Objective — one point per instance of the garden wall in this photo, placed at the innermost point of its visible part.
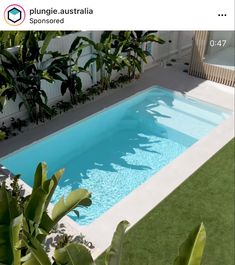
(176, 43)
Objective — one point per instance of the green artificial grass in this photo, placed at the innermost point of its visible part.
(208, 196)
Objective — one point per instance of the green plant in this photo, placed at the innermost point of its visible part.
(6, 131)
(106, 56)
(21, 75)
(3, 87)
(64, 240)
(191, 251)
(18, 124)
(133, 46)
(23, 229)
(63, 106)
(10, 39)
(2, 135)
(16, 192)
(70, 71)
(12, 130)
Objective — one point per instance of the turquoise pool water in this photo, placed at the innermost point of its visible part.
(116, 150)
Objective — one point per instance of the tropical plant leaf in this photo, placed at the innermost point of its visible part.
(91, 42)
(79, 197)
(114, 253)
(10, 225)
(78, 84)
(35, 205)
(10, 57)
(153, 38)
(46, 76)
(53, 184)
(64, 87)
(39, 254)
(40, 175)
(46, 225)
(49, 36)
(89, 62)
(18, 37)
(74, 44)
(105, 37)
(73, 254)
(191, 251)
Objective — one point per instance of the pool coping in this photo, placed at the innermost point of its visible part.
(137, 93)
(132, 207)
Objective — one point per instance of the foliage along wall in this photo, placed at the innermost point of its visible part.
(178, 40)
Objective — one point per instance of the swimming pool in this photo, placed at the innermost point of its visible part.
(116, 150)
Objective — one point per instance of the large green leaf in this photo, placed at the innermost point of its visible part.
(40, 175)
(10, 57)
(10, 225)
(53, 184)
(64, 86)
(18, 37)
(6, 250)
(153, 38)
(35, 205)
(16, 226)
(73, 254)
(191, 251)
(39, 254)
(79, 197)
(49, 36)
(74, 44)
(46, 225)
(113, 256)
(89, 62)
(91, 42)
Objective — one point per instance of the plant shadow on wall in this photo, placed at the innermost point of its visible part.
(25, 225)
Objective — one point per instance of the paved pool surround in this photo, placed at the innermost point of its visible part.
(116, 150)
(133, 207)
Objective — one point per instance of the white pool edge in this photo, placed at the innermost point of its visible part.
(148, 195)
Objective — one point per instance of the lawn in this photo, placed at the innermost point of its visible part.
(208, 196)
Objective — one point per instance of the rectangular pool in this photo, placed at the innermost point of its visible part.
(114, 151)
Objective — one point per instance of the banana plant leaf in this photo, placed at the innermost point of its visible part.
(73, 254)
(35, 205)
(49, 36)
(53, 184)
(40, 175)
(10, 225)
(79, 197)
(113, 256)
(191, 251)
(39, 255)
